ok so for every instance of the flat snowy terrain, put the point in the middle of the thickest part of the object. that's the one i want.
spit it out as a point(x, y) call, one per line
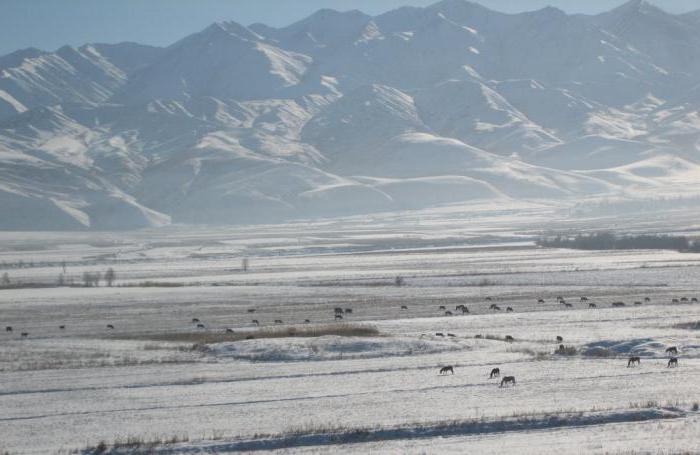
point(377, 390)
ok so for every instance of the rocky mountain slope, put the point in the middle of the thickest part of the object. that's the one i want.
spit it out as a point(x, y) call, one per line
point(344, 113)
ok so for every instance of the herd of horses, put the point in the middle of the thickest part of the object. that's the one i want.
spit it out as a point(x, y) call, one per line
point(510, 380)
point(495, 373)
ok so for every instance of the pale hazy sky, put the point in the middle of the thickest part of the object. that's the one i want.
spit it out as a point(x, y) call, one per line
point(49, 24)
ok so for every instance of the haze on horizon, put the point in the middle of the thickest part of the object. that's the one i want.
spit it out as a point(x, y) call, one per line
point(48, 25)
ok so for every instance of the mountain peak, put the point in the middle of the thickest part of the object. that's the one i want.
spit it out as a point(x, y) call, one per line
point(638, 7)
point(233, 29)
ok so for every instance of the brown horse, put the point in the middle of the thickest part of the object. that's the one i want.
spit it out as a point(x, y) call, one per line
point(496, 372)
point(592, 305)
point(507, 380)
point(509, 310)
point(672, 362)
point(448, 369)
point(633, 360)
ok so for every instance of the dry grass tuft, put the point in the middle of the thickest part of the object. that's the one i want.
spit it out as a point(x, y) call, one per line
point(203, 338)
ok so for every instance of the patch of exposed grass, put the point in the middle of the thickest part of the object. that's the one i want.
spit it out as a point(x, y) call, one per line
point(135, 443)
point(202, 338)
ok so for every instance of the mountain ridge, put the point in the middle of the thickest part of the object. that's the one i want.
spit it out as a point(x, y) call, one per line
point(345, 113)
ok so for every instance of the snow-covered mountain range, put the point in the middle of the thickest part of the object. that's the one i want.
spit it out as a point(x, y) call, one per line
point(344, 113)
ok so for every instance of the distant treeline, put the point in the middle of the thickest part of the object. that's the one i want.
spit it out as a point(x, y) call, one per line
point(610, 241)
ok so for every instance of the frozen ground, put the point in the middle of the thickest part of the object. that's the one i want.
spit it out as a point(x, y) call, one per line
point(67, 389)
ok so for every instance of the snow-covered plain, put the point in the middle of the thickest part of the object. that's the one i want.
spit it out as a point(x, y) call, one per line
point(72, 388)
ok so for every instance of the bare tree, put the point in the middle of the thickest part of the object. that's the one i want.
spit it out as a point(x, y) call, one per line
point(110, 276)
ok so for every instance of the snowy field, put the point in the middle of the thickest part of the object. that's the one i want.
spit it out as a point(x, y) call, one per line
point(157, 376)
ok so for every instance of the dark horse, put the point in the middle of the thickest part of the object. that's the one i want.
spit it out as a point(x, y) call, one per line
point(633, 360)
point(672, 362)
point(508, 380)
point(496, 372)
point(672, 350)
point(445, 370)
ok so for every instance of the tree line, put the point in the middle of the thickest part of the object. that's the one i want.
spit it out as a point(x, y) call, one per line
point(610, 241)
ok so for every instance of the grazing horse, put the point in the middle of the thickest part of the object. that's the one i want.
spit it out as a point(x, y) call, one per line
point(672, 350)
point(404, 307)
point(439, 334)
point(509, 310)
point(508, 380)
point(251, 310)
point(675, 301)
point(633, 360)
point(559, 339)
point(278, 321)
point(684, 299)
point(24, 334)
point(307, 321)
point(452, 335)
point(465, 310)
point(488, 299)
point(442, 307)
point(338, 310)
point(229, 330)
point(194, 320)
point(8, 328)
point(448, 313)
point(694, 300)
point(459, 307)
point(637, 303)
point(540, 301)
point(509, 339)
point(256, 322)
point(618, 304)
point(62, 327)
point(339, 316)
point(496, 372)
point(647, 299)
point(445, 370)
point(110, 326)
point(584, 299)
point(672, 362)
point(592, 305)
point(348, 311)
point(493, 306)
point(201, 326)
point(568, 305)
point(560, 298)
